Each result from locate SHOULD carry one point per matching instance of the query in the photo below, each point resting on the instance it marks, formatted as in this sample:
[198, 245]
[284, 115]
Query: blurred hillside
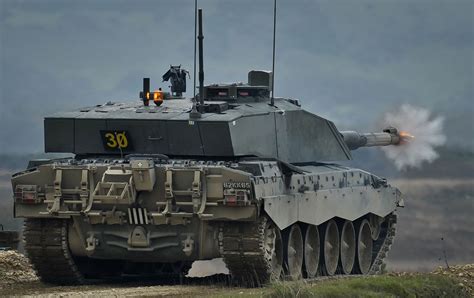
[452, 163]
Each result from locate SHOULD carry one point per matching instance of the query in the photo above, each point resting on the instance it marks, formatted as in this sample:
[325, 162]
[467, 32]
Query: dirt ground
[37, 289]
[15, 268]
[17, 278]
[463, 273]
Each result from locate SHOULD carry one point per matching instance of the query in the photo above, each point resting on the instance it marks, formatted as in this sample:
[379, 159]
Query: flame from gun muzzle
[414, 121]
[405, 137]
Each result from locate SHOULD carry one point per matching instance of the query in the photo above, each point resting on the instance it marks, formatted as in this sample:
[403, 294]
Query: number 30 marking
[116, 140]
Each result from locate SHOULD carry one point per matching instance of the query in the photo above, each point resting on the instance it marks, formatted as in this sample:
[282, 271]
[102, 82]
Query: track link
[243, 249]
[46, 245]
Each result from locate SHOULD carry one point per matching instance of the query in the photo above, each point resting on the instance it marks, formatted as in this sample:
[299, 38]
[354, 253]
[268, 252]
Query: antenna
[272, 102]
[201, 63]
[195, 39]
[194, 112]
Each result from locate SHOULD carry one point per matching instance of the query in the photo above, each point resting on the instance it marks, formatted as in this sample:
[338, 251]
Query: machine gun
[177, 75]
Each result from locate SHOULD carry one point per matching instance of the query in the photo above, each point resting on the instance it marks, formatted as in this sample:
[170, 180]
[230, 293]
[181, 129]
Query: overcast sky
[345, 60]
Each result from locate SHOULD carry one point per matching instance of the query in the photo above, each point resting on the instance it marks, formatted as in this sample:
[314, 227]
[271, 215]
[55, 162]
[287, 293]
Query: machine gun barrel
[389, 136]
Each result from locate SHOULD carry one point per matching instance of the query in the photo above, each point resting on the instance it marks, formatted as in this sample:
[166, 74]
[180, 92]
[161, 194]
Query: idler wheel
[348, 247]
[294, 252]
[311, 251]
[273, 249]
[364, 247]
[330, 246]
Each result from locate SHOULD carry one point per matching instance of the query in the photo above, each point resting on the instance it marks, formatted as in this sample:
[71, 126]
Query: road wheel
[294, 252]
[364, 247]
[311, 251]
[273, 250]
[330, 246]
[348, 247]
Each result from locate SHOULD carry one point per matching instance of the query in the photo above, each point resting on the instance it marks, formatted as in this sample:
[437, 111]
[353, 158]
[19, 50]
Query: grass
[419, 285]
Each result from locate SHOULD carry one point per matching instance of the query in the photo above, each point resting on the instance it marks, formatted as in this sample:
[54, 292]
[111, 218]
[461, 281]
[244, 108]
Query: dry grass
[421, 285]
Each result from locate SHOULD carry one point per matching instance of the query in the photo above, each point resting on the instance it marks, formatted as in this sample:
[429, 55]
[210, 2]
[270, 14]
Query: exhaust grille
[137, 216]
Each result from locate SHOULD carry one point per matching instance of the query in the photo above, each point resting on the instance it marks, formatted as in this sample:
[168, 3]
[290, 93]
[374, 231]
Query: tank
[161, 181]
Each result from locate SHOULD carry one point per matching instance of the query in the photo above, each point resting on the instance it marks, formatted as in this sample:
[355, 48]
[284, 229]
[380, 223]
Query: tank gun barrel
[389, 136]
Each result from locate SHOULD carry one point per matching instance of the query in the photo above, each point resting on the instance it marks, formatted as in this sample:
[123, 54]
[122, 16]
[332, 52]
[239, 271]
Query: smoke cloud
[427, 132]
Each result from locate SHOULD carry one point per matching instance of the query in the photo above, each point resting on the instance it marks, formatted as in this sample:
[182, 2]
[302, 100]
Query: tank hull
[153, 211]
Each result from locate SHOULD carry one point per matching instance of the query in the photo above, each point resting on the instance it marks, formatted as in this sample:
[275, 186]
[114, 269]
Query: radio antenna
[272, 102]
[201, 63]
[194, 112]
[195, 40]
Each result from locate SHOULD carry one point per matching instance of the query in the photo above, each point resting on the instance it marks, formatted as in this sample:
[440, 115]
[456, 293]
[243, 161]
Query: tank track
[242, 247]
[383, 244]
[46, 245]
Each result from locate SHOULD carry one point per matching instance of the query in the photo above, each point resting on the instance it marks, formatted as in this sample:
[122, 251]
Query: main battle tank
[233, 173]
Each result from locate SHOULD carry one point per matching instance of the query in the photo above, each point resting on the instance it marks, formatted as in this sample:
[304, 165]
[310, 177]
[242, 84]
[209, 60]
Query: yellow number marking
[122, 140]
[116, 140]
[111, 142]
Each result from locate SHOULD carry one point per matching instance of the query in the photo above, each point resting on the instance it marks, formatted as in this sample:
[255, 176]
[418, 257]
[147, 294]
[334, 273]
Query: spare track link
[46, 245]
[242, 246]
